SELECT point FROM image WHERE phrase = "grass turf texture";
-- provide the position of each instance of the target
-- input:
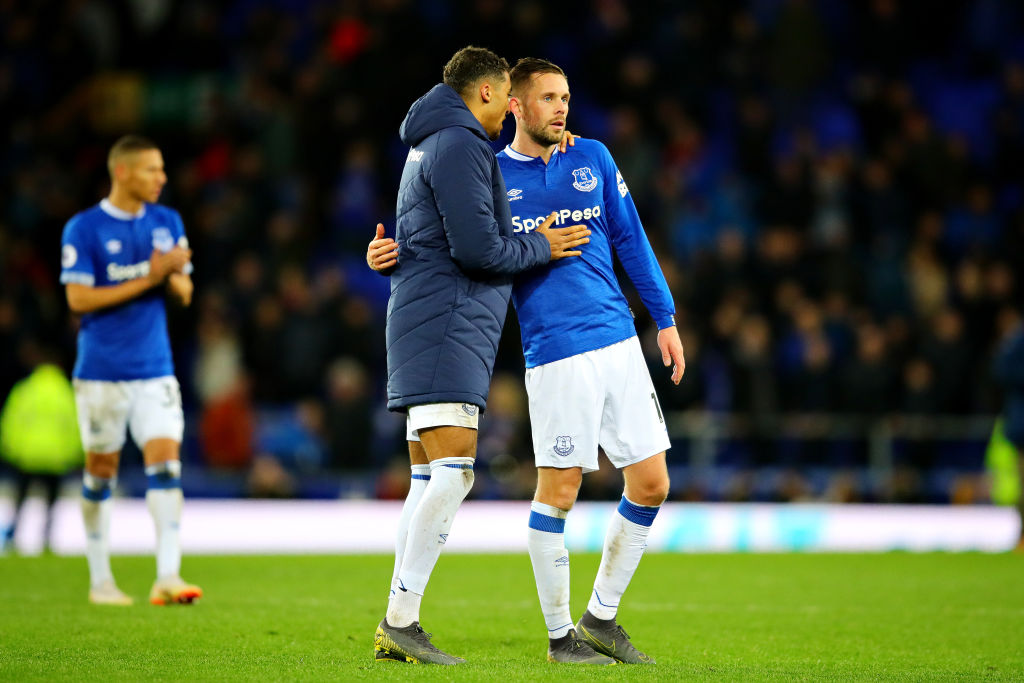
(703, 617)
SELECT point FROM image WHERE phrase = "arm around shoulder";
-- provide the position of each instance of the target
(462, 181)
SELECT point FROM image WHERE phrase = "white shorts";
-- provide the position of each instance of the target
(599, 398)
(150, 408)
(440, 415)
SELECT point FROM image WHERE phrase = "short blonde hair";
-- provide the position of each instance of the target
(128, 144)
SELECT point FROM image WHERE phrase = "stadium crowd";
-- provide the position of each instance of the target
(834, 191)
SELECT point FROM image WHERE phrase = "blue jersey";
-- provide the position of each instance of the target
(104, 246)
(574, 305)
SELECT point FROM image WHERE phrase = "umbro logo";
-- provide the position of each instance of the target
(444, 538)
(514, 194)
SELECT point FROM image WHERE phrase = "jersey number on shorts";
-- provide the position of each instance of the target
(657, 406)
(173, 398)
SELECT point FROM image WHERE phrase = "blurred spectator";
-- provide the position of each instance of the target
(348, 415)
(39, 435)
(10, 366)
(504, 442)
(218, 364)
(949, 352)
(1009, 370)
(227, 426)
(798, 55)
(294, 436)
(755, 385)
(268, 479)
(868, 381)
(304, 350)
(920, 395)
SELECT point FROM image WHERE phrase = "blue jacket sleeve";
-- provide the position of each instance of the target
(461, 178)
(632, 246)
(1009, 365)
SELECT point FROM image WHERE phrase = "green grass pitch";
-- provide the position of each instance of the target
(933, 617)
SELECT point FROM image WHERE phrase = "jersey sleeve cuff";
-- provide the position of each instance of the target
(71, 277)
(666, 321)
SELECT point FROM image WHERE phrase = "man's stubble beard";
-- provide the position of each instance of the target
(543, 138)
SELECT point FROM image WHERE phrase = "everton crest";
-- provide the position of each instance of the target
(564, 445)
(162, 239)
(585, 181)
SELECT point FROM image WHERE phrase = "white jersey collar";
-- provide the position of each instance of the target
(519, 156)
(111, 210)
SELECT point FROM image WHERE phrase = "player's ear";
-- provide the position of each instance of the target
(123, 167)
(514, 106)
(486, 92)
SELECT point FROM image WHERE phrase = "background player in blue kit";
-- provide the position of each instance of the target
(118, 260)
(586, 376)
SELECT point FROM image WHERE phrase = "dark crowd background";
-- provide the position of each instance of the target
(834, 190)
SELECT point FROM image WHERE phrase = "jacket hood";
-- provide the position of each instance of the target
(440, 108)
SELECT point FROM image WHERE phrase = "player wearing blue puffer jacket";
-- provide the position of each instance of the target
(447, 307)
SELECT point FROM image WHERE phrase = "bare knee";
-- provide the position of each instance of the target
(562, 498)
(648, 491)
(448, 442)
(102, 465)
(558, 487)
(647, 481)
(156, 451)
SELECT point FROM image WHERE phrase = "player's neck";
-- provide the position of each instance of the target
(124, 200)
(524, 144)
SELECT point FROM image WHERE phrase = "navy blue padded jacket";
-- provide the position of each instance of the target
(457, 254)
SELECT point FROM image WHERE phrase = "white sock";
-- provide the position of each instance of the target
(96, 507)
(418, 483)
(450, 481)
(164, 500)
(623, 547)
(546, 542)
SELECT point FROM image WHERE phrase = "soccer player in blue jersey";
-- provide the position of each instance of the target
(119, 259)
(586, 377)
